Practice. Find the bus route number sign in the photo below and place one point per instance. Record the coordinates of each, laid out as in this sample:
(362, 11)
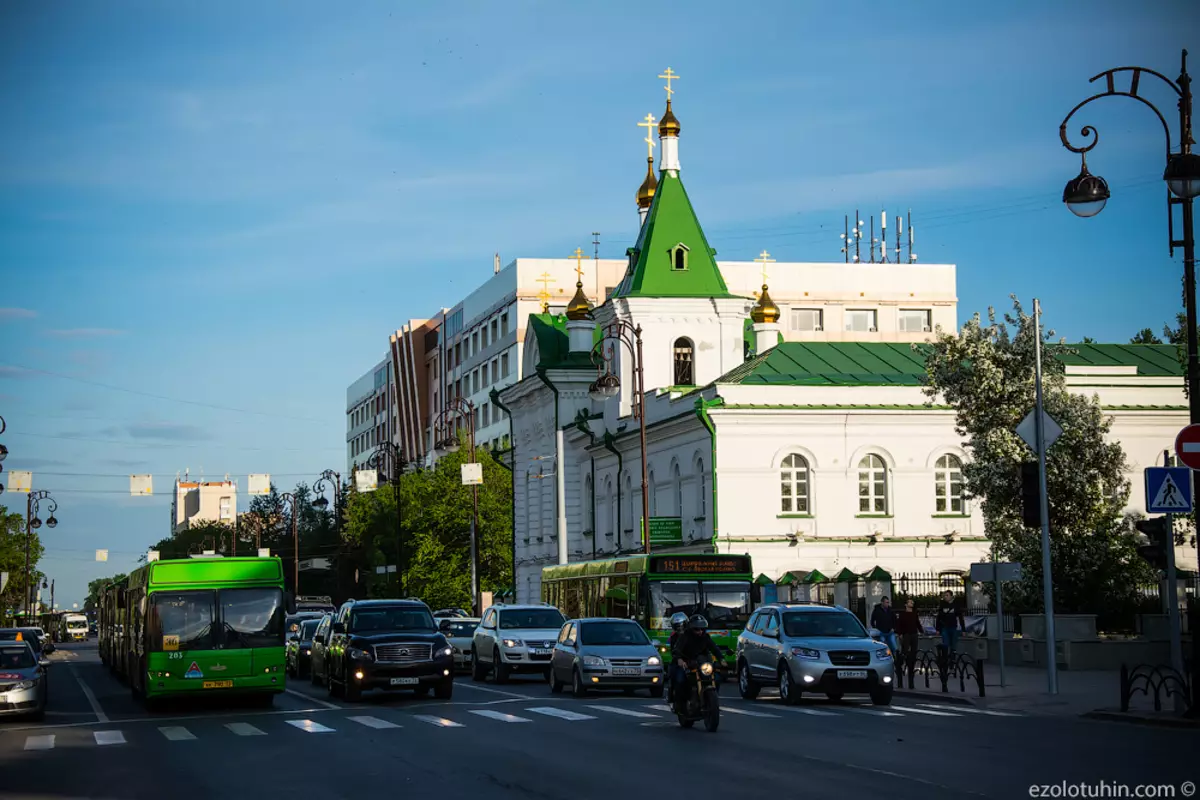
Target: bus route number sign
(170, 643)
(698, 566)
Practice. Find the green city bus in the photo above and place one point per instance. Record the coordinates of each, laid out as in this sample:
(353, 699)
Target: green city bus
(651, 589)
(200, 625)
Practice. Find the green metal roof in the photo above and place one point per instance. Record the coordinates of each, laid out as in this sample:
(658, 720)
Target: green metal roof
(554, 345)
(1151, 360)
(672, 221)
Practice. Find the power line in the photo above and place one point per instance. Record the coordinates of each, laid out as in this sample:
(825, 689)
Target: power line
(173, 445)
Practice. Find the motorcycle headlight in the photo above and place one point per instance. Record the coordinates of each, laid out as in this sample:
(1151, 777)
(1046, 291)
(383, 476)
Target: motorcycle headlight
(593, 661)
(653, 661)
(513, 643)
(806, 653)
(706, 668)
(884, 654)
(355, 652)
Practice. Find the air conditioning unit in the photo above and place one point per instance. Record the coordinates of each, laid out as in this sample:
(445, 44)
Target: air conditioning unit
(873, 330)
(818, 328)
(925, 328)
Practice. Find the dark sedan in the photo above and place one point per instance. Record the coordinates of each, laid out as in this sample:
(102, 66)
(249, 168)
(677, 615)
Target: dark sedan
(297, 659)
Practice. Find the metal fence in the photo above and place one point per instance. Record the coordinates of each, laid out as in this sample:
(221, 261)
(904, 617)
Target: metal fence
(925, 589)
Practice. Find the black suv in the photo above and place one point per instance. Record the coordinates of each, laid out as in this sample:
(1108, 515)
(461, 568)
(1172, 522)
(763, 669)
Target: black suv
(388, 644)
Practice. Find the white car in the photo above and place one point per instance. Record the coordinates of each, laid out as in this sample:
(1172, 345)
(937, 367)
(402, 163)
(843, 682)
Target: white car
(460, 632)
(516, 638)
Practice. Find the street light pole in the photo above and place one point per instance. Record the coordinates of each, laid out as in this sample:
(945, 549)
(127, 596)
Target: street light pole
(32, 523)
(290, 499)
(607, 385)
(385, 453)
(456, 409)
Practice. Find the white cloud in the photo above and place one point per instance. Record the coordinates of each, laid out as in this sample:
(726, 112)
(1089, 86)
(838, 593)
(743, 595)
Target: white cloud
(17, 313)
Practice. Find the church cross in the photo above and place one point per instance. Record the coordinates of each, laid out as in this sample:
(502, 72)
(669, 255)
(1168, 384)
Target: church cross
(578, 256)
(669, 76)
(764, 258)
(648, 124)
(544, 295)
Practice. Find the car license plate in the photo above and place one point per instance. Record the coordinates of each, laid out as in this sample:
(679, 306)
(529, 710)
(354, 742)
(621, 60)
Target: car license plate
(626, 671)
(852, 673)
(218, 685)
(405, 681)
(540, 651)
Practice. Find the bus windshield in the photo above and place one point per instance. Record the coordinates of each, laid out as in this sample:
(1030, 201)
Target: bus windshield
(725, 604)
(252, 617)
(187, 617)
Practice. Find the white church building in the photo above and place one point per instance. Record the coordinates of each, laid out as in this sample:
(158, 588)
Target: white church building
(792, 429)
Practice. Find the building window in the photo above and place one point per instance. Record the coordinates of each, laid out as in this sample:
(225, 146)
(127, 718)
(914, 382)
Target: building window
(458, 354)
(475, 342)
(860, 320)
(504, 365)
(495, 371)
(684, 372)
(679, 256)
(793, 485)
(948, 485)
(872, 485)
(914, 320)
(651, 493)
(474, 381)
(495, 328)
(807, 319)
(486, 418)
(504, 324)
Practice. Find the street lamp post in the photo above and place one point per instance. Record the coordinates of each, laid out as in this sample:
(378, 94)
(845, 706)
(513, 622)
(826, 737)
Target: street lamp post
(333, 478)
(32, 523)
(455, 410)
(607, 385)
(289, 501)
(387, 457)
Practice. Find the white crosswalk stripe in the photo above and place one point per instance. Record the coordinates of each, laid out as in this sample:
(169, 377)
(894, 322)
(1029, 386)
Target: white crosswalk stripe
(39, 742)
(747, 712)
(308, 726)
(663, 707)
(911, 710)
(560, 713)
(176, 734)
(244, 729)
(498, 715)
(440, 722)
(872, 711)
(373, 722)
(626, 712)
(969, 710)
(109, 737)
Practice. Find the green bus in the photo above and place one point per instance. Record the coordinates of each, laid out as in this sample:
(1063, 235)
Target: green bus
(651, 589)
(207, 625)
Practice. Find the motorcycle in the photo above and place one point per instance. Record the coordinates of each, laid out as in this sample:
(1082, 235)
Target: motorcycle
(703, 702)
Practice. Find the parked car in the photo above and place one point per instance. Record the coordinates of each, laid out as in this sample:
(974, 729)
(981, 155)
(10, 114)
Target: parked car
(603, 653)
(318, 657)
(459, 631)
(23, 689)
(299, 649)
(808, 647)
(516, 638)
(388, 644)
(444, 613)
(42, 647)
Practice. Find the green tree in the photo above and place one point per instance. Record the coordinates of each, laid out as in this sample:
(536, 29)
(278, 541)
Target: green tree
(95, 587)
(1145, 336)
(12, 560)
(986, 373)
(196, 538)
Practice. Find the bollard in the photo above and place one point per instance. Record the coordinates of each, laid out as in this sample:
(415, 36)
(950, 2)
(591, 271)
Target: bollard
(943, 666)
(979, 677)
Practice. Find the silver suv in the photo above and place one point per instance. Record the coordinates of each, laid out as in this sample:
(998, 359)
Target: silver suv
(807, 647)
(515, 639)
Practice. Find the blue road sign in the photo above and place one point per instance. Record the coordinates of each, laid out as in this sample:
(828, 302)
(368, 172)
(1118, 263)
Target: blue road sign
(1168, 490)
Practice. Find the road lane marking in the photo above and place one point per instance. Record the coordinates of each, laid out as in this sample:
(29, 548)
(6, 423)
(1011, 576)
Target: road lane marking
(966, 710)
(101, 717)
(803, 710)
(871, 711)
(109, 737)
(308, 726)
(663, 707)
(458, 685)
(733, 710)
(139, 720)
(625, 712)
(244, 729)
(373, 722)
(311, 699)
(176, 733)
(498, 715)
(39, 742)
(440, 722)
(561, 713)
(911, 710)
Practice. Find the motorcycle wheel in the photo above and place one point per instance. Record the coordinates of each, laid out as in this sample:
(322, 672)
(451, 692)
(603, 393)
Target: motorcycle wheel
(685, 722)
(712, 710)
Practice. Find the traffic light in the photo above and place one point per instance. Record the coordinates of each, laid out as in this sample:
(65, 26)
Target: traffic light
(1031, 495)
(1159, 534)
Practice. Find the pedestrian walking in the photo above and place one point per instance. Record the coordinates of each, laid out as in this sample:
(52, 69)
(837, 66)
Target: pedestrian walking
(908, 628)
(950, 622)
(883, 619)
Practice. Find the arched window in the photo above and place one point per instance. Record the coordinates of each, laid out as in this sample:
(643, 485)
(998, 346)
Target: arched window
(684, 353)
(793, 485)
(589, 505)
(677, 483)
(948, 485)
(679, 256)
(872, 485)
(701, 501)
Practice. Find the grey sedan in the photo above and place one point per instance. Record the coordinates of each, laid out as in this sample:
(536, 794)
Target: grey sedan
(605, 654)
(459, 631)
(22, 681)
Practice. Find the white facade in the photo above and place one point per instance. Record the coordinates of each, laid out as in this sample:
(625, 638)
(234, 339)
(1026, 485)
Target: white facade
(202, 501)
(370, 414)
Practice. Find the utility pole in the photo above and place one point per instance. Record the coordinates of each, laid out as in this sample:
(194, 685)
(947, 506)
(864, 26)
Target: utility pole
(1047, 580)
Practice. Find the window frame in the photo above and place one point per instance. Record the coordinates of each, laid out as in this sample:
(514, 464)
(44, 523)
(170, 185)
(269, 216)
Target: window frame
(789, 472)
(926, 320)
(873, 320)
(872, 499)
(819, 326)
(688, 350)
(943, 479)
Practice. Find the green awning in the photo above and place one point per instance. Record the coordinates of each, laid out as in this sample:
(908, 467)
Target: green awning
(794, 576)
(846, 576)
(617, 593)
(877, 574)
(763, 580)
(815, 577)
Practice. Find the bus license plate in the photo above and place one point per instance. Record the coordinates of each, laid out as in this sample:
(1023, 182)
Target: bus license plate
(405, 681)
(218, 685)
(626, 671)
(860, 674)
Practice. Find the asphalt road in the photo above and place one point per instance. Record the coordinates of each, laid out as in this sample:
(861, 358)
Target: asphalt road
(520, 741)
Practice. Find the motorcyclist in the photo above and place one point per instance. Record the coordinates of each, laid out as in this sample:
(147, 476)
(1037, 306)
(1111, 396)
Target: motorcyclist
(690, 645)
(675, 677)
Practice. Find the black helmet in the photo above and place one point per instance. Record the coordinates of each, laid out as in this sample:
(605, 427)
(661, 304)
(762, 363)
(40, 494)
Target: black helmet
(679, 621)
(698, 623)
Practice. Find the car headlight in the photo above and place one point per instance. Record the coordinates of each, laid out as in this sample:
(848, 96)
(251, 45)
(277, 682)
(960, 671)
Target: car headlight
(593, 661)
(24, 685)
(884, 654)
(513, 643)
(806, 653)
(355, 652)
(446, 651)
(653, 661)
(706, 668)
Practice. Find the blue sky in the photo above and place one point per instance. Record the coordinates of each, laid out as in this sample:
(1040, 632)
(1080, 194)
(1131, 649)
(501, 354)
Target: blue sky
(212, 214)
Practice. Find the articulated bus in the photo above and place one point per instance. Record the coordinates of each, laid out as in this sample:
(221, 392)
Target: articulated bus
(199, 625)
(651, 589)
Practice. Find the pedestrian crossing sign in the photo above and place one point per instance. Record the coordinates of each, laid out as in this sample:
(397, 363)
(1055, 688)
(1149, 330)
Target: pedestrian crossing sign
(1168, 490)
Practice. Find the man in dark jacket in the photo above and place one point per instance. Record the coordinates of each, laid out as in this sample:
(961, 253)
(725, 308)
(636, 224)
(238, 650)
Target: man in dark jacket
(675, 676)
(883, 619)
(950, 622)
(908, 627)
(689, 646)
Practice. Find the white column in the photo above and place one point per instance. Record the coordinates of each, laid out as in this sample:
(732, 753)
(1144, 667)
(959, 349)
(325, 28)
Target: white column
(642, 214)
(560, 492)
(670, 153)
(766, 336)
(579, 335)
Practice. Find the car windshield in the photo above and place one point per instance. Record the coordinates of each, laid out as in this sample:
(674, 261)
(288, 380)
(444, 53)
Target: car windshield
(381, 619)
(611, 634)
(531, 618)
(252, 617)
(457, 628)
(308, 629)
(839, 624)
(16, 658)
(181, 621)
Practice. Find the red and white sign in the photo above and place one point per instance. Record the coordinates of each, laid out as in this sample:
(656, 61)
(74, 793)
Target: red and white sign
(1187, 446)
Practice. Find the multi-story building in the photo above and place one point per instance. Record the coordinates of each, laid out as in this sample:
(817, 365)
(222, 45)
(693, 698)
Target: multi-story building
(370, 414)
(202, 501)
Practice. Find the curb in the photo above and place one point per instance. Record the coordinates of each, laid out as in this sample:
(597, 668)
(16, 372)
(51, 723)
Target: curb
(939, 696)
(1133, 719)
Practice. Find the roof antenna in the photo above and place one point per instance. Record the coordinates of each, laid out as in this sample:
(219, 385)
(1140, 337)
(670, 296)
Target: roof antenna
(883, 259)
(496, 264)
(899, 230)
(846, 237)
(912, 257)
(857, 237)
(596, 242)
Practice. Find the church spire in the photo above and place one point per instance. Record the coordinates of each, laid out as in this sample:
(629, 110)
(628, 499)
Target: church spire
(645, 192)
(765, 314)
(668, 129)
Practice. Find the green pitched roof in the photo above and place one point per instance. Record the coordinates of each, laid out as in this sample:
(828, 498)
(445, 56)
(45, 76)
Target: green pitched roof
(671, 222)
(1152, 360)
(554, 348)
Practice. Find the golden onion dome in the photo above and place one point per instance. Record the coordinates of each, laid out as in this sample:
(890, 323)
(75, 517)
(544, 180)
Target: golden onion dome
(645, 192)
(765, 310)
(579, 307)
(668, 125)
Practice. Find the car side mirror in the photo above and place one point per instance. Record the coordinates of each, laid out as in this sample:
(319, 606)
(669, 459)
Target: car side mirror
(43, 662)
(339, 627)
(875, 634)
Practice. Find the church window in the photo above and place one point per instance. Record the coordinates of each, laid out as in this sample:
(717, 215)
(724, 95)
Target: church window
(684, 353)
(872, 485)
(948, 485)
(793, 485)
(679, 256)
